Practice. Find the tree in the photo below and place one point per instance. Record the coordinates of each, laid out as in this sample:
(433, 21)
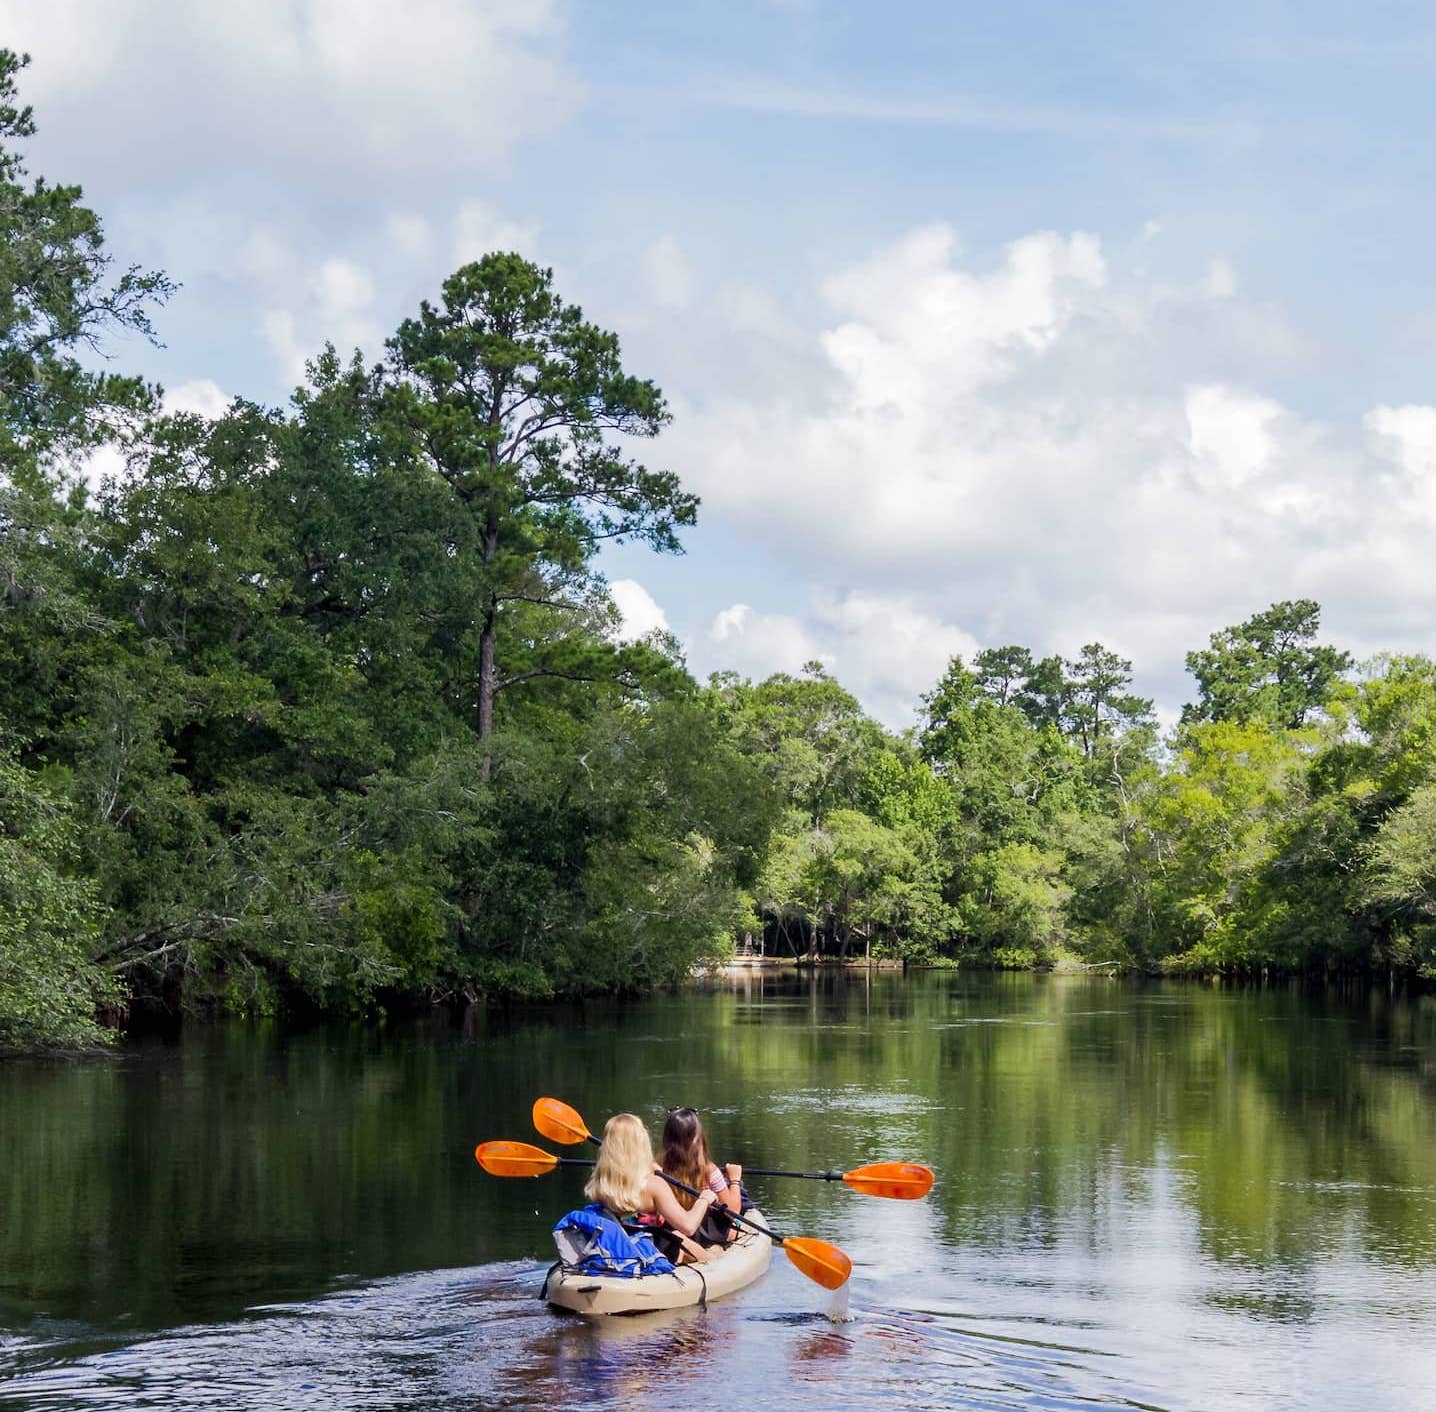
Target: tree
(1400, 878)
(853, 872)
(1015, 906)
(1007, 777)
(1347, 891)
(808, 734)
(1045, 692)
(514, 400)
(1098, 706)
(999, 677)
(49, 982)
(950, 709)
(1206, 835)
(57, 296)
(1003, 673)
(1269, 668)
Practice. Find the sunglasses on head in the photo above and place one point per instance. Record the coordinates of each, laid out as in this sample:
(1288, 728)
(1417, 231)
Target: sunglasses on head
(682, 1108)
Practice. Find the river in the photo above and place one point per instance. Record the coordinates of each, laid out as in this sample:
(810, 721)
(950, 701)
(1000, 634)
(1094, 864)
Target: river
(1153, 1195)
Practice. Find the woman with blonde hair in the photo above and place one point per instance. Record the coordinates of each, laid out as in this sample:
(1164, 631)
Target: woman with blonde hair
(626, 1182)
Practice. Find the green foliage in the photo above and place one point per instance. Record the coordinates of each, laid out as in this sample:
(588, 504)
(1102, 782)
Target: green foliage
(49, 981)
(1207, 832)
(510, 399)
(1269, 668)
(1400, 878)
(1250, 843)
(1016, 904)
(57, 296)
(809, 736)
(1098, 710)
(256, 676)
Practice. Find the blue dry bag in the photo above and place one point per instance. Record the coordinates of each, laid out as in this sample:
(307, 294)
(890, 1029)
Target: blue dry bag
(591, 1241)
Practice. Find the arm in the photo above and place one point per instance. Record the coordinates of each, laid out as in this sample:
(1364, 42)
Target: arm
(666, 1205)
(724, 1181)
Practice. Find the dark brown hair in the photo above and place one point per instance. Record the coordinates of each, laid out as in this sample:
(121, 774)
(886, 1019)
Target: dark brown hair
(685, 1152)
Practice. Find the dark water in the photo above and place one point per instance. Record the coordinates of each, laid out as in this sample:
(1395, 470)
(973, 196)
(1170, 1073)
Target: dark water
(1149, 1196)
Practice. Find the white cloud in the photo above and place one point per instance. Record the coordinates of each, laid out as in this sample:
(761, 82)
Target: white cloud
(1407, 436)
(410, 234)
(1051, 450)
(885, 649)
(203, 397)
(755, 644)
(1221, 279)
(904, 452)
(479, 230)
(752, 93)
(640, 613)
(668, 274)
(303, 304)
(319, 87)
(918, 327)
(341, 288)
(1230, 434)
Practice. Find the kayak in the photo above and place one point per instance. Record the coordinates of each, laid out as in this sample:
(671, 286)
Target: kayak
(741, 1262)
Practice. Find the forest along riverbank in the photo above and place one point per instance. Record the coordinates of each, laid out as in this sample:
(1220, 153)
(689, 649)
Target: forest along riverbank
(325, 706)
(1155, 1193)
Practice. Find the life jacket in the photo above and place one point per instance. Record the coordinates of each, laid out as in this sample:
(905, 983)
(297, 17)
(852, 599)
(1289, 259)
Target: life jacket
(591, 1241)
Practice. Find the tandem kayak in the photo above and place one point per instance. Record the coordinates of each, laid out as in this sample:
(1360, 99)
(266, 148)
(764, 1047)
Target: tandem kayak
(741, 1262)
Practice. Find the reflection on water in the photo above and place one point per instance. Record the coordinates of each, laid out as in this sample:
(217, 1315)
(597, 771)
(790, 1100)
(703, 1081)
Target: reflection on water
(1152, 1196)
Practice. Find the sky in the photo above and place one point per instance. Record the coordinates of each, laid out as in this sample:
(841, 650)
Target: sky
(1030, 323)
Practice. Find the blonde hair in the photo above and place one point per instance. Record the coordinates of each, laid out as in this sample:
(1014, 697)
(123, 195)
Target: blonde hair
(625, 1163)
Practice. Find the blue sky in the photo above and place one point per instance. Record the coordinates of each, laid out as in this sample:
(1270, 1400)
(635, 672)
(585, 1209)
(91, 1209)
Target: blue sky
(981, 323)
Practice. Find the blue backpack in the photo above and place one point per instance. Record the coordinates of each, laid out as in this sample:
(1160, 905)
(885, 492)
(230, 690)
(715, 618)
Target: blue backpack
(591, 1241)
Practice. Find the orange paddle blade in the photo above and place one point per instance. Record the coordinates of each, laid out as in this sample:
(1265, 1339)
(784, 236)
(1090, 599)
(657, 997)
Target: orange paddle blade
(819, 1261)
(902, 1181)
(558, 1122)
(514, 1159)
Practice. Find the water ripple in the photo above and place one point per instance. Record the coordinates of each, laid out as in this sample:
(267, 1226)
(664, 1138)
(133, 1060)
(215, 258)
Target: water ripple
(478, 1338)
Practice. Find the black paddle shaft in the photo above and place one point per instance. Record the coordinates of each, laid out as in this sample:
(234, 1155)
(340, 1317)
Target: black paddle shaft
(810, 1176)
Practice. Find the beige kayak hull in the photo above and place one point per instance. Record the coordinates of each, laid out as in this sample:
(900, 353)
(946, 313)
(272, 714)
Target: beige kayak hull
(741, 1262)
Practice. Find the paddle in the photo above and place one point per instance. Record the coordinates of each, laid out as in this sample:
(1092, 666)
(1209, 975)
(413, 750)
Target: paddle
(817, 1259)
(519, 1159)
(900, 1181)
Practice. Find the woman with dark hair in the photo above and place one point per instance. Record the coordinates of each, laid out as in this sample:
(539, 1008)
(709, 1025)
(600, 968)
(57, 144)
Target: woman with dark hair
(686, 1158)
